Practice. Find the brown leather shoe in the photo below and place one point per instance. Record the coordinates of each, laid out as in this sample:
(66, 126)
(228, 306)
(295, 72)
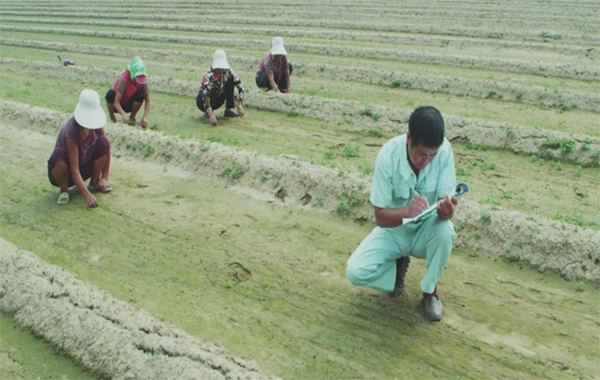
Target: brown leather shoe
(432, 306)
(401, 268)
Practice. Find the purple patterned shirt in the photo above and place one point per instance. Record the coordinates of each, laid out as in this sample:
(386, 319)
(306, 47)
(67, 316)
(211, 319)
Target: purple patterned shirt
(85, 148)
(269, 67)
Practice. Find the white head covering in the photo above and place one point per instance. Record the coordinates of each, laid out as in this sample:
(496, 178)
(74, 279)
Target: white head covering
(278, 48)
(220, 60)
(88, 112)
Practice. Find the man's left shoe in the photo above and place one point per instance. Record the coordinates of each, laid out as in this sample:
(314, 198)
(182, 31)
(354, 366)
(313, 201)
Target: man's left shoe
(230, 113)
(432, 306)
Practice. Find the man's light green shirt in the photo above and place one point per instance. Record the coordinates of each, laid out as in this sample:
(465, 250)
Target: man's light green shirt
(395, 183)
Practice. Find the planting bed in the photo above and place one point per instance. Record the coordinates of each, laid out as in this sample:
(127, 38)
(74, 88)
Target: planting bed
(221, 251)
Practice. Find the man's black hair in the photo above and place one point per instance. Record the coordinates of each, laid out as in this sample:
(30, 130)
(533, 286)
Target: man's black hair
(426, 127)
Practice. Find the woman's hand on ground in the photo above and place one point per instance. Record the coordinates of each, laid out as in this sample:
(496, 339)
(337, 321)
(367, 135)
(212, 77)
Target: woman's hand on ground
(91, 200)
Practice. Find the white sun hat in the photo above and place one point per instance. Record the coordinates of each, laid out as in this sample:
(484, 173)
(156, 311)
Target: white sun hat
(278, 48)
(88, 112)
(220, 60)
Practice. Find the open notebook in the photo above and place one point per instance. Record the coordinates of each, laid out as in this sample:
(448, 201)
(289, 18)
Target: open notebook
(460, 189)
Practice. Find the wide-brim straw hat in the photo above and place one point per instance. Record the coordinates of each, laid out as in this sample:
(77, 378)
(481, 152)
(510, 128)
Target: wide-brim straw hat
(277, 48)
(220, 60)
(88, 112)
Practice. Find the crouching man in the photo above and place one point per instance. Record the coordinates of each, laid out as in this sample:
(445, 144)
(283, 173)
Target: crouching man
(412, 171)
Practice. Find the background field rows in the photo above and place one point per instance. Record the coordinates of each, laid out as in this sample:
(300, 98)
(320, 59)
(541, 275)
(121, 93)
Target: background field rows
(407, 38)
(458, 22)
(510, 59)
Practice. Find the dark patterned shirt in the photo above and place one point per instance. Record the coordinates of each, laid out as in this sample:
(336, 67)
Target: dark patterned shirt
(212, 87)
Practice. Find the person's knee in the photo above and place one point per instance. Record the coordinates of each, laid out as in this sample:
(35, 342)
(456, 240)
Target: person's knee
(262, 81)
(200, 103)
(136, 104)
(356, 274)
(58, 172)
(110, 96)
(60, 167)
(443, 231)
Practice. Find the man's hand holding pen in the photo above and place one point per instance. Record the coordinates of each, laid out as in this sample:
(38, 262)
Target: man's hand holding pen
(417, 204)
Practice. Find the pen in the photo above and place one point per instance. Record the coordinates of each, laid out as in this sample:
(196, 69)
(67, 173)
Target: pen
(417, 194)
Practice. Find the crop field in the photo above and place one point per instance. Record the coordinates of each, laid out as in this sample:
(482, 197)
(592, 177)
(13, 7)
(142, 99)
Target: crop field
(221, 251)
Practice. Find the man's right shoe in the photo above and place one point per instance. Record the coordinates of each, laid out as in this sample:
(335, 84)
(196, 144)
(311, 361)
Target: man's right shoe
(432, 306)
(401, 268)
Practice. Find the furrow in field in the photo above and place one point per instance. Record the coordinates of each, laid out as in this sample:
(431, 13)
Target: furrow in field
(502, 91)
(110, 337)
(519, 139)
(509, 234)
(175, 23)
(540, 68)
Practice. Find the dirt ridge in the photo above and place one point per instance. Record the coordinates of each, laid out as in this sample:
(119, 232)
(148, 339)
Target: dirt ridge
(108, 336)
(563, 248)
